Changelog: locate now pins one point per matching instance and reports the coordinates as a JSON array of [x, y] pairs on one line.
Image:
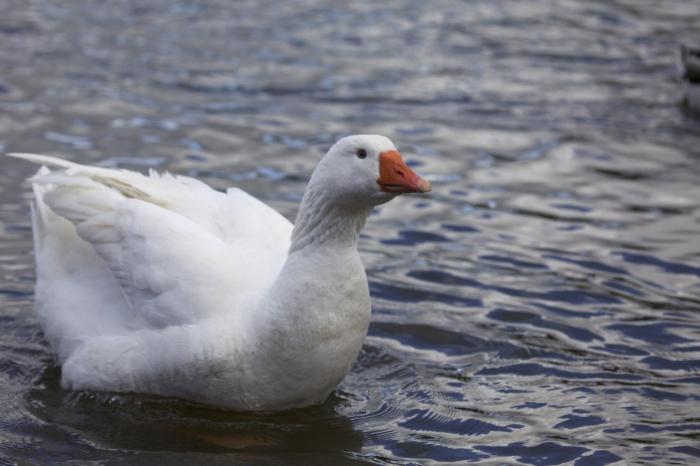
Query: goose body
[[160, 284]]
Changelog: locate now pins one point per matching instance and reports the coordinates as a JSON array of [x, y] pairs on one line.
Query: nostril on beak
[[400, 173]]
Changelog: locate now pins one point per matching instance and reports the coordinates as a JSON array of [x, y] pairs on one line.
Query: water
[[541, 306]]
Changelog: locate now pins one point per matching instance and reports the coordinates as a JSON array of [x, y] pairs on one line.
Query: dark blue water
[[541, 306]]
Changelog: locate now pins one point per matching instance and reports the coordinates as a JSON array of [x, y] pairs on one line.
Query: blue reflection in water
[[539, 306]]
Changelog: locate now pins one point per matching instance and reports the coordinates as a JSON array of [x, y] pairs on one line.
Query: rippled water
[[541, 306]]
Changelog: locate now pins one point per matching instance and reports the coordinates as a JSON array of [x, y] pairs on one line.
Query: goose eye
[[361, 153]]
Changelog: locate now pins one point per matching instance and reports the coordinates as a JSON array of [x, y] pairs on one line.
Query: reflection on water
[[540, 306]]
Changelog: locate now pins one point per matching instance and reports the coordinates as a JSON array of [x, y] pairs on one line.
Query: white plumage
[[161, 284]]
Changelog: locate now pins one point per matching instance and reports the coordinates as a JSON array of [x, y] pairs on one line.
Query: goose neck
[[324, 222]]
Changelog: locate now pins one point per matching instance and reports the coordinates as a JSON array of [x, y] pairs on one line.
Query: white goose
[[160, 284]]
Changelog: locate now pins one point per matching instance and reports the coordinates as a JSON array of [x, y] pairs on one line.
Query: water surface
[[541, 306]]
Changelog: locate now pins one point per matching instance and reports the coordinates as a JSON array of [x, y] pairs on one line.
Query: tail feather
[[127, 183], [43, 160], [39, 212]]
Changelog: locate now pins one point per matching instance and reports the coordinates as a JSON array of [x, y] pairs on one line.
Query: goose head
[[365, 171]]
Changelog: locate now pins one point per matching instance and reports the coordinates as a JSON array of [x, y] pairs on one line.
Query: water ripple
[[540, 306]]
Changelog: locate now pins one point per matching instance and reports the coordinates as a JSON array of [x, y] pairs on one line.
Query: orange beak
[[395, 176]]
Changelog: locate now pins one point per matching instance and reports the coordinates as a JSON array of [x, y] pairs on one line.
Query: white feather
[[130, 243]]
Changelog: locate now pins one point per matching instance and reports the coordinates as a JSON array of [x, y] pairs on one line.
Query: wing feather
[[179, 250]]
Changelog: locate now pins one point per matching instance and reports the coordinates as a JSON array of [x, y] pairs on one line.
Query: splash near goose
[[160, 284]]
